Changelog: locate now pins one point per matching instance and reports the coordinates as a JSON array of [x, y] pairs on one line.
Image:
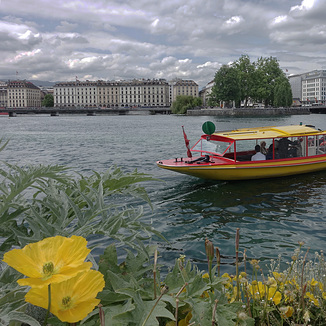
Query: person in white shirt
[[258, 156]]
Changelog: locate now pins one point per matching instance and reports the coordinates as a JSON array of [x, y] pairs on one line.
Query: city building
[[76, 94], [3, 94], [310, 87], [183, 87], [103, 94], [204, 94], [111, 94], [108, 94], [23, 94], [150, 92], [314, 86]]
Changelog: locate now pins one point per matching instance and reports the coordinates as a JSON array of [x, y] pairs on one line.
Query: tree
[[266, 73], [282, 92], [48, 100], [245, 70], [185, 102], [257, 81], [226, 86]]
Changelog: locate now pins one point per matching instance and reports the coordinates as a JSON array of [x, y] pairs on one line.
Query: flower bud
[[209, 247]]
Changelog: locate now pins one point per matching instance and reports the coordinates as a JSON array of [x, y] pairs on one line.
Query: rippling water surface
[[273, 215]]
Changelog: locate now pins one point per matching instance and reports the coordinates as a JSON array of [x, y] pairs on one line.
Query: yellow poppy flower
[[51, 260], [71, 300], [287, 311], [313, 282], [257, 290], [274, 295], [312, 299]]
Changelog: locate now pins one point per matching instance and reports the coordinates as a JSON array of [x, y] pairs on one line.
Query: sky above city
[[189, 39]]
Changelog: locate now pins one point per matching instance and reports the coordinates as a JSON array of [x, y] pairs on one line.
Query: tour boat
[[230, 155]]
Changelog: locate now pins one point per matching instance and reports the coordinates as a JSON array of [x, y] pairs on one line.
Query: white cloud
[[280, 19], [235, 20], [305, 5], [173, 38]]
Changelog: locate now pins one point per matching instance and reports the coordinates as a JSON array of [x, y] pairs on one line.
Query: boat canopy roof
[[269, 132]]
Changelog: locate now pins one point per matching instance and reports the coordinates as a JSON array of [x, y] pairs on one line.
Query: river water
[[273, 215]]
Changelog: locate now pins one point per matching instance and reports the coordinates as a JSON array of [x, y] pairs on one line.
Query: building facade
[[111, 94], [76, 94], [205, 93], [3, 95], [310, 87], [183, 87], [23, 94], [314, 86]]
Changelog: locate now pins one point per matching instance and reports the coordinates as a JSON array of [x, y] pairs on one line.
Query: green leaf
[[118, 315], [196, 287], [24, 318]]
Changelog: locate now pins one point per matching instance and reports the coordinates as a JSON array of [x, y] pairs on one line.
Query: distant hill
[[43, 83]]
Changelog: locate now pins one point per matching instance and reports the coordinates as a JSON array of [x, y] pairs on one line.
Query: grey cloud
[[190, 39]]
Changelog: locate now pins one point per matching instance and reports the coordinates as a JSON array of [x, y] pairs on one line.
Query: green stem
[[163, 291], [49, 306], [237, 238], [210, 265]]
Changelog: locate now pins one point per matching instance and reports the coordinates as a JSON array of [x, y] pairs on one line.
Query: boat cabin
[[275, 143]]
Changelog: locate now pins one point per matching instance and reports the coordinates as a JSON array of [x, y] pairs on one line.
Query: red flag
[[187, 143]]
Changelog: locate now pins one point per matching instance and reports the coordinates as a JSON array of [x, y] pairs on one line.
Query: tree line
[[262, 81]]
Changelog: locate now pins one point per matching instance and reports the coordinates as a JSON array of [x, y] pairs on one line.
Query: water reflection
[[273, 215]]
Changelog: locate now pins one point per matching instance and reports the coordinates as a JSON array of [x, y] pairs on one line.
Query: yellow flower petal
[[277, 297], [62, 275], [50, 260], [289, 312], [71, 300], [313, 282]]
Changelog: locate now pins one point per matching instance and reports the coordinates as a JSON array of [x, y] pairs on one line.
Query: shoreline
[[248, 111]]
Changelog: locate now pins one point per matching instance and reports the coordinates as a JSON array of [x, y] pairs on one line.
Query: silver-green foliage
[[44, 201], [37, 202], [128, 296]]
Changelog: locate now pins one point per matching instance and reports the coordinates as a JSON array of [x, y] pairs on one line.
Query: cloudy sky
[[126, 39]]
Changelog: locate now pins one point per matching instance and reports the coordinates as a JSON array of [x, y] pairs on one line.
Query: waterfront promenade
[[54, 111], [249, 111]]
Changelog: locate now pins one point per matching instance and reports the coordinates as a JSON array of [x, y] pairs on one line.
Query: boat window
[[321, 144], [287, 147], [246, 148], [312, 145], [206, 145]]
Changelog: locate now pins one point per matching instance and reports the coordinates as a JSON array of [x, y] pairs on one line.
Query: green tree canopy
[[185, 102], [266, 73], [282, 92], [245, 70], [48, 100], [257, 81], [226, 87]]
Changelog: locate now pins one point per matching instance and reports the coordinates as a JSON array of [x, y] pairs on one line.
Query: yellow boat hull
[[247, 170]]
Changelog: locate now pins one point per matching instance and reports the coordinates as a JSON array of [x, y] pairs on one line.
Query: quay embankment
[[248, 111], [92, 111]]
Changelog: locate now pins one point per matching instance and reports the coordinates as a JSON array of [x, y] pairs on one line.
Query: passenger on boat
[[296, 148], [283, 147], [258, 156], [263, 148], [269, 155]]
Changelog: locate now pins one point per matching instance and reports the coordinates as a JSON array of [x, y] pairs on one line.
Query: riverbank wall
[[247, 111]]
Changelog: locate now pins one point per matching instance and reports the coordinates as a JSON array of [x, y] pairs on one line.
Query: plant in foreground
[[49, 261], [59, 278]]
